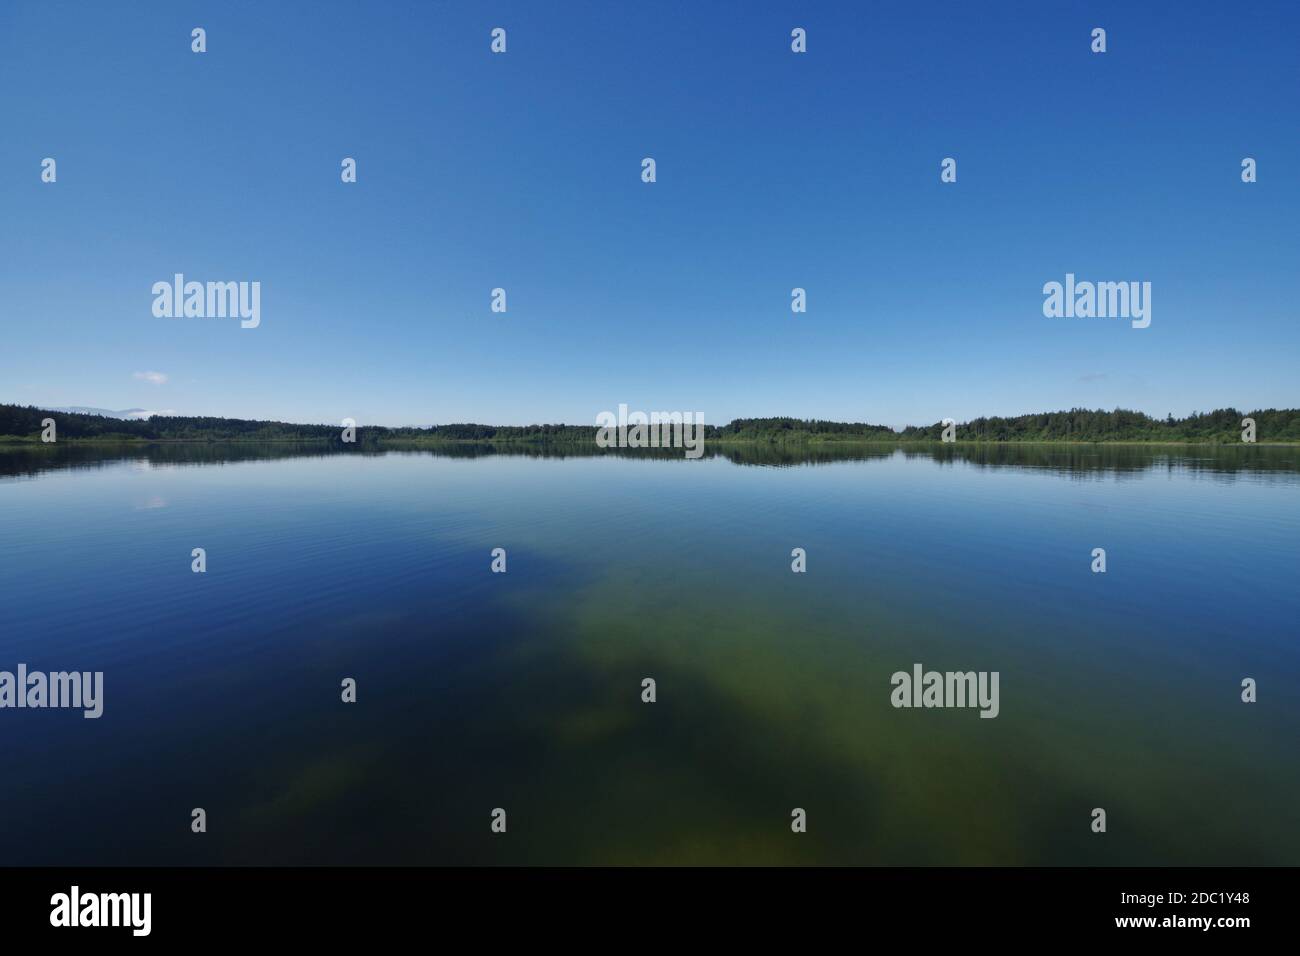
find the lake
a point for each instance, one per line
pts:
(522, 690)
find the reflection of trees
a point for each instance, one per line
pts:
(1080, 460)
(1086, 459)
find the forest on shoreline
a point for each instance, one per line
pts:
(22, 423)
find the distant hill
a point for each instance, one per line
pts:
(19, 422)
(128, 413)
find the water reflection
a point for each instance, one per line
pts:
(28, 461)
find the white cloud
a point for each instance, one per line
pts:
(154, 378)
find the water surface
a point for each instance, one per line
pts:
(523, 690)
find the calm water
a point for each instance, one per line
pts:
(522, 691)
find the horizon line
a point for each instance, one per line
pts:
(115, 415)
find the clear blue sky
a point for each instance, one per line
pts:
(775, 170)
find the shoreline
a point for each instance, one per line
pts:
(13, 441)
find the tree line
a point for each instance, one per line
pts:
(23, 422)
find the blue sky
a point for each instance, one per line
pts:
(775, 170)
